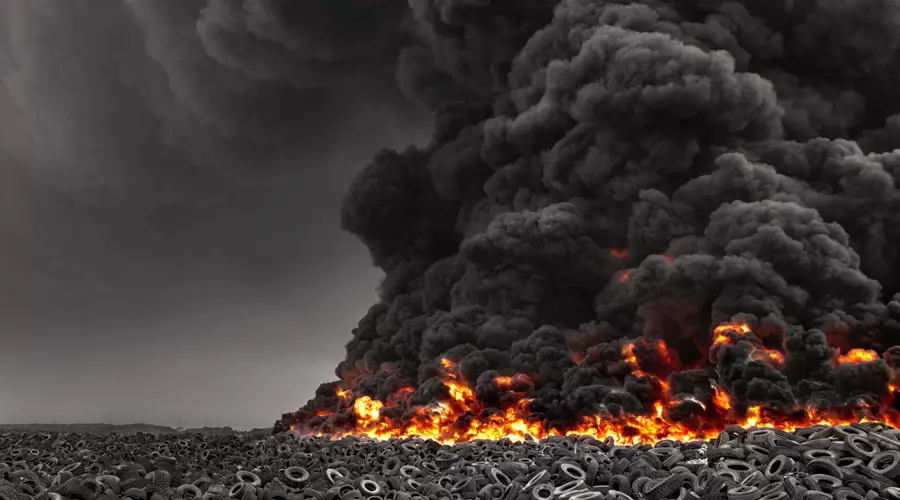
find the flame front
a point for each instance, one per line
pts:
(462, 417)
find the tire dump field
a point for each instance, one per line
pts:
(815, 463)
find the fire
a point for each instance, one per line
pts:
(461, 416)
(367, 409)
(458, 392)
(460, 419)
(629, 355)
(619, 253)
(577, 357)
(753, 416)
(511, 383)
(631, 359)
(857, 356)
(772, 356)
(402, 393)
(739, 327)
(721, 398)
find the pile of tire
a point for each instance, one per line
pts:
(855, 462)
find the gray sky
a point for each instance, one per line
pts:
(169, 240)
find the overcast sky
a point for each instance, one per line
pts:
(170, 248)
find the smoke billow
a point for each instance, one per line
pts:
(605, 173)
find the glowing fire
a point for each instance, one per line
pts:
(857, 356)
(771, 356)
(737, 327)
(740, 330)
(721, 398)
(462, 417)
(619, 253)
(367, 409)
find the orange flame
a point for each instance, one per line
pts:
(619, 253)
(773, 357)
(631, 359)
(577, 357)
(367, 409)
(459, 419)
(402, 393)
(857, 356)
(770, 355)
(721, 399)
(460, 416)
(738, 327)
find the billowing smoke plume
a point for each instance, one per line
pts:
(649, 170)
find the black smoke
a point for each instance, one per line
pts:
(742, 152)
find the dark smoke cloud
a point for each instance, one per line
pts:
(742, 153)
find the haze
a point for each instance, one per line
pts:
(171, 244)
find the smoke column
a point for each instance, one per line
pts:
(611, 172)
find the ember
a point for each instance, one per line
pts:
(619, 253)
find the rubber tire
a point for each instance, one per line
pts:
(861, 447)
(664, 488)
(886, 463)
(744, 493)
(543, 491)
(295, 476)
